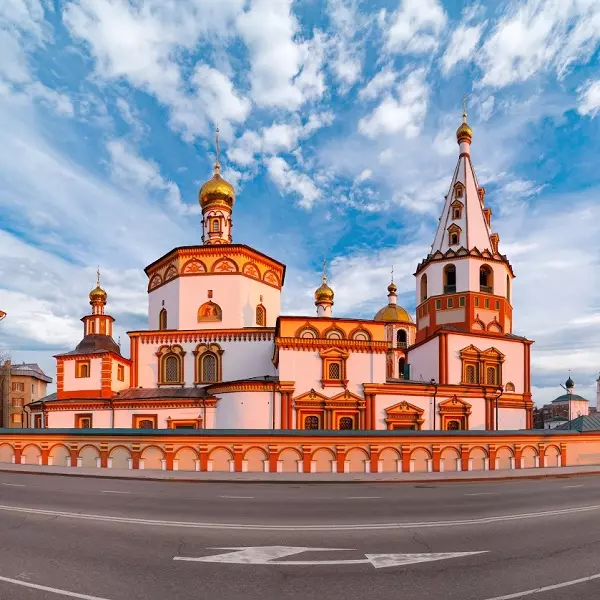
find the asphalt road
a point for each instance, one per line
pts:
(102, 539)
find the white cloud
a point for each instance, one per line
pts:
(537, 36)
(462, 46)
(284, 73)
(486, 108)
(415, 26)
(404, 112)
(13, 65)
(383, 80)
(290, 181)
(347, 21)
(363, 176)
(589, 98)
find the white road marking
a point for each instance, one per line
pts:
(114, 492)
(363, 498)
(483, 494)
(572, 486)
(52, 590)
(547, 588)
(266, 555)
(15, 484)
(239, 497)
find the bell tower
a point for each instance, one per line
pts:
(464, 280)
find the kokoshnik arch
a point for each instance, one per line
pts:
(217, 354)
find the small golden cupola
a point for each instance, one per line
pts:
(464, 134)
(98, 297)
(216, 198)
(392, 313)
(324, 296)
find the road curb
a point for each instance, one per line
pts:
(424, 482)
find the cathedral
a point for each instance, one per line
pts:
(218, 354)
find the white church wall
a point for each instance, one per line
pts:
(73, 384)
(499, 270)
(117, 385)
(513, 368)
(169, 294)
(512, 418)
(240, 359)
(247, 410)
(435, 277)
(237, 295)
(423, 361)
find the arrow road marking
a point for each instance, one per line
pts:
(267, 555)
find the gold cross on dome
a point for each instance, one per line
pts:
(464, 107)
(392, 273)
(217, 150)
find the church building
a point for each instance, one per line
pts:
(217, 353)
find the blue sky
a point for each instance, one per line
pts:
(337, 123)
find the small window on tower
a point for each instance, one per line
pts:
(486, 303)
(476, 301)
(450, 302)
(120, 372)
(461, 301)
(215, 225)
(456, 213)
(453, 239)
(438, 305)
(82, 368)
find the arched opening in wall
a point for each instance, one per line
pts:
(451, 458)
(477, 457)
(172, 369)
(261, 316)
(31, 455)
(152, 458)
(449, 279)
(6, 453)
(402, 338)
(215, 225)
(255, 460)
(356, 460)
(552, 457)
(486, 280)
(289, 459)
(311, 422)
(508, 288)
(89, 456)
(119, 456)
(322, 460)
(186, 459)
(401, 367)
(503, 458)
(346, 423)
(453, 425)
(420, 456)
(510, 387)
(162, 319)
(388, 460)
(424, 288)
(219, 459)
(209, 367)
(60, 455)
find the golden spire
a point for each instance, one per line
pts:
(464, 133)
(98, 294)
(392, 288)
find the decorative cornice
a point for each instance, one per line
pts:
(316, 344)
(258, 334)
(126, 405)
(461, 253)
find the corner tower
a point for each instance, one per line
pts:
(464, 280)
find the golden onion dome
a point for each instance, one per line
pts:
(217, 190)
(392, 288)
(324, 294)
(98, 295)
(393, 313)
(464, 133)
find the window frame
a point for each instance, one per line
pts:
(80, 418)
(80, 364)
(138, 418)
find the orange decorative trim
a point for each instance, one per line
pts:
(323, 344)
(248, 334)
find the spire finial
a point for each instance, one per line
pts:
(464, 107)
(98, 276)
(217, 151)
(325, 267)
(392, 273)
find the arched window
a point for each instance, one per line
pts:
(311, 422)
(162, 319)
(146, 424)
(308, 333)
(401, 367)
(486, 280)
(508, 287)
(172, 370)
(471, 374)
(453, 238)
(491, 377)
(449, 279)
(424, 288)
(346, 423)
(401, 338)
(92, 327)
(215, 225)
(261, 316)
(453, 425)
(209, 368)
(335, 371)
(510, 386)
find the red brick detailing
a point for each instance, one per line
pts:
(492, 457)
(273, 454)
(18, 452)
(340, 457)
(374, 459)
(563, 454)
(436, 456)
(74, 453)
(203, 453)
(518, 455)
(45, 454)
(135, 456)
(464, 457)
(169, 457)
(405, 452)
(306, 458)
(237, 458)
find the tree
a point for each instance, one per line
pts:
(4, 384)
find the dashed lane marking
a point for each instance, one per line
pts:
(114, 492)
(51, 590)
(324, 527)
(238, 497)
(572, 486)
(363, 498)
(547, 588)
(15, 484)
(482, 494)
